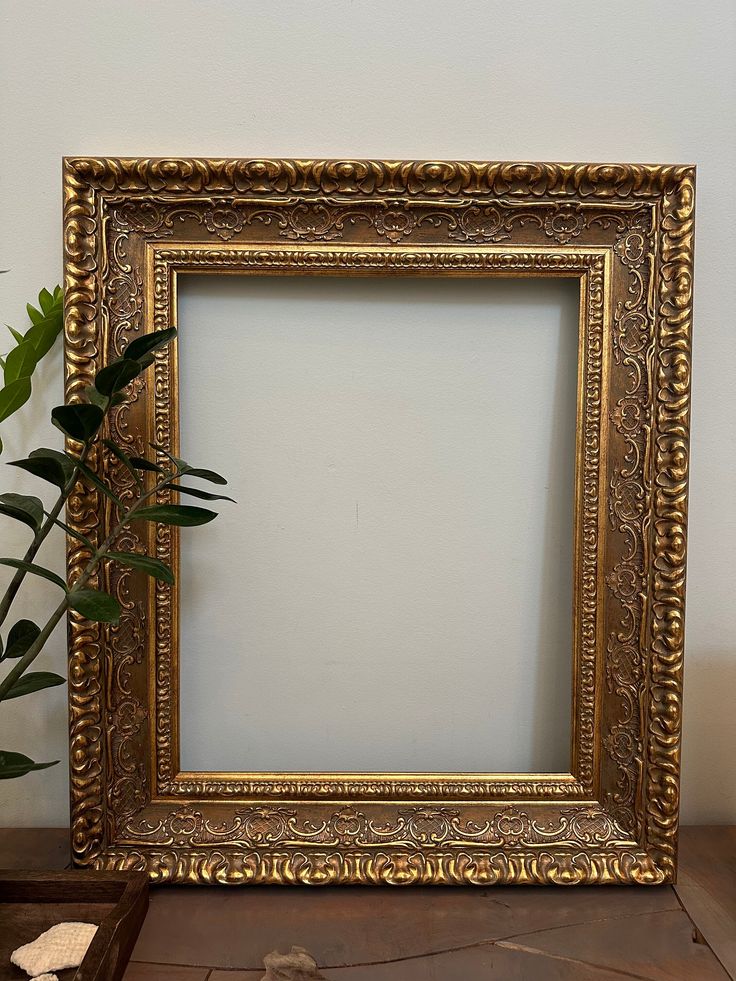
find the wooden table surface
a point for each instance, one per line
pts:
(681, 933)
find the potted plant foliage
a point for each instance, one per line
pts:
(83, 424)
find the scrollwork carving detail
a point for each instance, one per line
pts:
(608, 182)
(351, 827)
(633, 223)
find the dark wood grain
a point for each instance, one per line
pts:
(224, 928)
(43, 849)
(218, 975)
(706, 886)
(32, 902)
(171, 972)
(487, 963)
(609, 944)
(651, 947)
(523, 934)
(657, 946)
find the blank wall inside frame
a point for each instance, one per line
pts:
(393, 590)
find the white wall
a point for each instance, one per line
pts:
(631, 80)
(396, 593)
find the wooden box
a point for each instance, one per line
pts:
(31, 902)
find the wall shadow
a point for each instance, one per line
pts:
(708, 789)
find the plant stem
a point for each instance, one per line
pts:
(36, 647)
(40, 537)
(34, 650)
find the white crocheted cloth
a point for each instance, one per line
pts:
(63, 946)
(46, 977)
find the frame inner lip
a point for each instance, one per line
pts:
(165, 262)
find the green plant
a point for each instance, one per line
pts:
(84, 424)
(20, 362)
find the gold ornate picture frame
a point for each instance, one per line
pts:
(625, 231)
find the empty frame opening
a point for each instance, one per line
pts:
(393, 590)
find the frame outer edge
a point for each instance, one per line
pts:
(86, 180)
(669, 533)
(81, 344)
(362, 177)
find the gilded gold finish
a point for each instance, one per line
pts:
(626, 232)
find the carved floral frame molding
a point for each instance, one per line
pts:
(626, 232)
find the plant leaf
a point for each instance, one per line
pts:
(34, 315)
(141, 464)
(196, 492)
(20, 362)
(95, 397)
(16, 334)
(45, 300)
(13, 396)
(23, 508)
(34, 681)
(146, 563)
(36, 570)
(20, 637)
(45, 330)
(142, 346)
(65, 461)
(210, 475)
(17, 765)
(80, 421)
(146, 361)
(41, 464)
(95, 605)
(175, 514)
(117, 375)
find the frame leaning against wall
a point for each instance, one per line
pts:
(625, 231)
